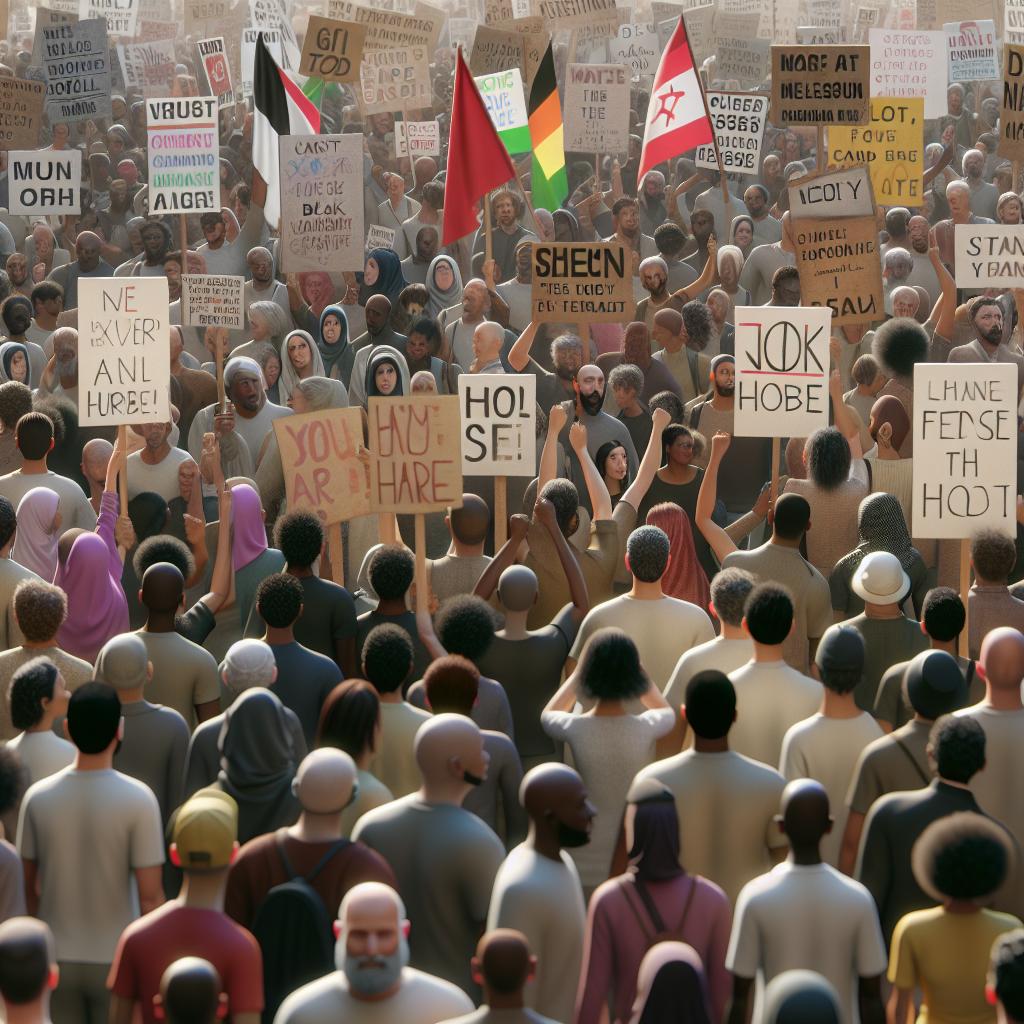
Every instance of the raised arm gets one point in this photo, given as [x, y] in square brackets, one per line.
[650, 463]
[557, 419]
[518, 527]
[945, 321]
[600, 499]
[544, 513]
[707, 277]
[720, 541]
[519, 354]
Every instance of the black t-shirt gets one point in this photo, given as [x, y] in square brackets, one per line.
[406, 621]
[304, 680]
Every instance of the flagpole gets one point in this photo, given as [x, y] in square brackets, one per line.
[704, 100]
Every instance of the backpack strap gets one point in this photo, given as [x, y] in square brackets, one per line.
[645, 926]
[335, 849]
[689, 901]
[969, 676]
[279, 839]
[648, 901]
[913, 760]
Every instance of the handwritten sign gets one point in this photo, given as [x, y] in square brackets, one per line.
[417, 138]
[322, 472]
[495, 49]
[124, 351]
[21, 112]
[332, 50]
[148, 66]
[738, 119]
[120, 15]
[389, 30]
[843, 193]
[498, 423]
[596, 108]
[989, 256]
[965, 444]
[45, 182]
[393, 80]
[184, 159]
[891, 146]
[213, 300]
[76, 60]
[782, 366]
[214, 59]
[503, 96]
[380, 237]
[814, 85]
[971, 46]
[909, 64]
[575, 282]
[1011, 112]
[274, 45]
[636, 46]
[1013, 22]
[746, 61]
[571, 13]
[417, 459]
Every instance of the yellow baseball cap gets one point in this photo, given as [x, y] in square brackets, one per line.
[205, 830]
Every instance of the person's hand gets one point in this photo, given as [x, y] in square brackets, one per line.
[491, 273]
[764, 500]
[224, 500]
[835, 386]
[195, 530]
[720, 444]
[124, 533]
[578, 438]
[544, 512]
[518, 527]
[557, 419]
[39, 272]
[662, 418]
[118, 455]
[712, 246]
[224, 422]
[835, 348]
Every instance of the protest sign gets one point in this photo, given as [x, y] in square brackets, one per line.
[321, 202]
[389, 30]
[45, 18]
[636, 46]
[747, 61]
[575, 282]
[1013, 22]
[814, 35]
[331, 50]
[971, 46]
[700, 29]
[416, 463]
[148, 66]
[495, 50]
[393, 80]
[891, 146]
[825, 13]
[323, 473]
[842, 193]
[739, 26]
[124, 351]
[213, 300]
[43, 183]
[814, 85]
[184, 167]
[965, 447]
[380, 237]
[909, 64]
[571, 13]
[503, 96]
[738, 119]
[866, 19]
[21, 113]
[76, 60]
[414, 139]
[782, 367]
[214, 59]
[496, 12]
[1011, 112]
[272, 41]
[498, 423]
[120, 15]
[989, 256]
[596, 108]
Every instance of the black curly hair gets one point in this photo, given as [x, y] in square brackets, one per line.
[899, 345]
[279, 600]
[163, 548]
[300, 538]
[387, 657]
[465, 625]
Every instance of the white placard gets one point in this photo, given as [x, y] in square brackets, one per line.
[965, 449]
[272, 41]
[43, 182]
[184, 156]
[782, 367]
[989, 256]
[738, 119]
[213, 300]
[842, 193]
[971, 46]
[424, 139]
[910, 64]
[124, 351]
[596, 108]
[637, 47]
[380, 237]
[120, 15]
[498, 413]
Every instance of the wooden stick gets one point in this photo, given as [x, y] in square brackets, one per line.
[422, 586]
[500, 511]
[714, 137]
[183, 242]
[122, 481]
[337, 553]
[774, 492]
[965, 591]
[488, 241]
[822, 154]
[526, 197]
[221, 404]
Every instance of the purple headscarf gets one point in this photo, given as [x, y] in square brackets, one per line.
[97, 609]
[249, 534]
[35, 544]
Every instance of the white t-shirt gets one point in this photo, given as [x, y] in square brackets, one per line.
[160, 479]
[828, 749]
[770, 697]
[661, 629]
[74, 506]
[725, 655]
[42, 754]
[807, 917]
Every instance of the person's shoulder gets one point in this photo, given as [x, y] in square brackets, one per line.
[499, 746]
[420, 984]
[318, 999]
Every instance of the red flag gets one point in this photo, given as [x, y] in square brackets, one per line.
[477, 159]
[677, 118]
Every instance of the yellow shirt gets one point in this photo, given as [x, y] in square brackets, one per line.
[946, 956]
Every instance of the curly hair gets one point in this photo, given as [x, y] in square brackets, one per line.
[391, 571]
[566, 499]
[30, 685]
[710, 704]
[993, 555]
[39, 609]
[943, 614]
[465, 625]
[899, 345]
[730, 589]
[958, 747]
[828, 458]
[963, 856]
[610, 668]
[451, 684]
[279, 600]
[8, 521]
[300, 538]
[15, 402]
[769, 613]
[163, 548]
[387, 657]
[648, 549]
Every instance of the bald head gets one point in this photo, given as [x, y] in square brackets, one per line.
[549, 788]
[805, 817]
[1001, 664]
[324, 781]
[370, 899]
[190, 992]
[488, 338]
[162, 587]
[447, 747]
[517, 588]
[95, 456]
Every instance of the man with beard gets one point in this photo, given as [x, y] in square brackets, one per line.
[87, 263]
[537, 890]
[671, 240]
[897, 265]
[923, 275]
[986, 316]
[397, 208]
[566, 357]
[626, 228]
[654, 210]
[443, 856]
[896, 227]
[373, 983]
[958, 196]
[506, 233]
[47, 304]
[766, 228]
[17, 271]
[785, 288]
[61, 373]
[156, 244]
[480, 302]
[763, 261]
[428, 213]
[517, 292]
[654, 278]
[415, 266]
[262, 286]
[702, 224]
[154, 467]
[378, 332]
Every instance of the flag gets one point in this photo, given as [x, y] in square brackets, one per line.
[549, 186]
[677, 118]
[279, 108]
[477, 158]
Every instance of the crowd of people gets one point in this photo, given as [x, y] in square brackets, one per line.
[682, 745]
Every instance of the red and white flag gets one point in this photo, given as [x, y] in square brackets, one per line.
[677, 119]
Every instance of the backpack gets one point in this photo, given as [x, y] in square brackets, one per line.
[654, 928]
[294, 930]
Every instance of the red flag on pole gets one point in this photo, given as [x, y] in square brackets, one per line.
[677, 118]
[477, 159]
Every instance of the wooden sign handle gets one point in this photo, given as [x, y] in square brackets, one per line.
[774, 492]
[965, 591]
[500, 512]
[420, 535]
[336, 550]
[122, 481]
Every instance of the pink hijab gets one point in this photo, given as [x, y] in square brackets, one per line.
[249, 533]
[35, 544]
[684, 578]
[97, 609]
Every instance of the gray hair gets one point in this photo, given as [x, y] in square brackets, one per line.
[730, 589]
[896, 258]
[274, 315]
[628, 376]
[566, 343]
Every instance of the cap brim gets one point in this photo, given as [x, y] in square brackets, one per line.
[895, 597]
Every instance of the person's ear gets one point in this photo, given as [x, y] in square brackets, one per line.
[990, 996]
[924, 629]
[52, 443]
[175, 856]
[744, 626]
[476, 971]
[336, 928]
[711, 610]
[235, 847]
[406, 927]
[120, 728]
[158, 1007]
[979, 671]
[67, 730]
[222, 1006]
[53, 977]
[531, 971]
[815, 671]
[149, 671]
[625, 559]
[885, 433]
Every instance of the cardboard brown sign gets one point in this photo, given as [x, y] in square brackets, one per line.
[494, 49]
[1011, 112]
[331, 50]
[575, 282]
[21, 112]
[826, 85]
[394, 80]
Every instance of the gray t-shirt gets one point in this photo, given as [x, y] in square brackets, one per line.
[496, 800]
[74, 506]
[184, 674]
[304, 681]
[491, 710]
[161, 478]
[12, 883]
[886, 642]
[890, 764]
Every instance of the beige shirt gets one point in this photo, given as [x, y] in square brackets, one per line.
[394, 763]
[74, 670]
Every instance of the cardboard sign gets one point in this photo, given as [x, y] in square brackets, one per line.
[815, 35]
[184, 157]
[120, 15]
[76, 60]
[814, 85]
[213, 300]
[43, 183]
[321, 202]
[417, 458]
[506, 106]
[380, 237]
[842, 193]
[1013, 22]
[394, 80]
[782, 368]
[576, 282]
[214, 59]
[331, 50]
[21, 113]
[910, 64]
[971, 46]
[124, 351]
[495, 50]
[148, 66]
[596, 108]
[637, 47]
[323, 473]
[45, 18]
[1011, 112]
[989, 256]
[891, 146]
[274, 45]
[389, 30]
[700, 30]
[748, 61]
[570, 13]
[499, 413]
[738, 119]
[965, 447]
[414, 139]
[867, 18]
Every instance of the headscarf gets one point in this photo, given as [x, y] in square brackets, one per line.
[882, 527]
[568, 220]
[324, 393]
[330, 354]
[257, 763]
[97, 607]
[441, 300]
[8, 350]
[800, 997]
[736, 221]
[671, 987]
[390, 279]
[289, 375]
[248, 532]
[387, 354]
[685, 578]
[35, 543]
[654, 855]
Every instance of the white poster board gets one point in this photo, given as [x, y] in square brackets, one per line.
[596, 108]
[184, 154]
[989, 256]
[213, 300]
[971, 46]
[910, 64]
[498, 413]
[414, 139]
[120, 15]
[738, 119]
[380, 237]
[965, 449]
[44, 182]
[782, 367]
